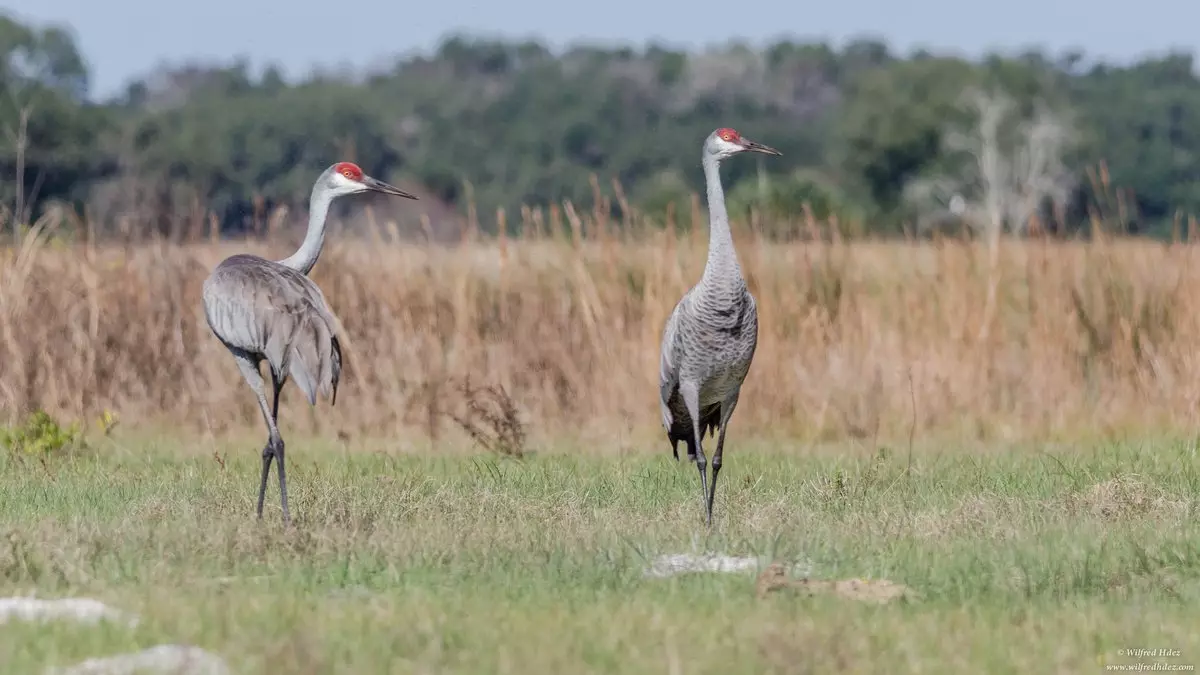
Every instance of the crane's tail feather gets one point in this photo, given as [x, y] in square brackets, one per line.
[315, 362]
[336, 367]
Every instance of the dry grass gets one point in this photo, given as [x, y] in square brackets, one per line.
[857, 340]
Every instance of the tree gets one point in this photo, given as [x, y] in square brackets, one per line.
[1003, 169]
[48, 135]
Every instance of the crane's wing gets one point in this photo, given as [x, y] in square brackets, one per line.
[752, 333]
[267, 309]
[668, 362]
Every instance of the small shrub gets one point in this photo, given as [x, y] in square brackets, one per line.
[108, 421]
[40, 435]
[492, 419]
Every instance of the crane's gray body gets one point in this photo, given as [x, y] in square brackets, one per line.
[265, 311]
[709, 341]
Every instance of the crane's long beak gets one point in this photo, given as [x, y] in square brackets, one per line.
[380, 186]
[753, 146]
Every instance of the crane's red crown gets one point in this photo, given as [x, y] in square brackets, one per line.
[349, 170]
[728, 135]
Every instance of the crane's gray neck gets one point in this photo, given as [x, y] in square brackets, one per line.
[318, 209]
[722, 266]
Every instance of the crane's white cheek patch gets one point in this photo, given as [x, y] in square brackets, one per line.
[173, 659]
[674, 564]
[84, 610]
[730, 148]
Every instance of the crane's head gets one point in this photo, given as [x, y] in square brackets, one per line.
[726, 142]
[345, 178]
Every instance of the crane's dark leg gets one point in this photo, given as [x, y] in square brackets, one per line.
[268, 454]
[249, 367]
[726, 412]
[691, 398]
[278, 439]
[716, 469]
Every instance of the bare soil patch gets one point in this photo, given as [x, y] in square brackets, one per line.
[775, 578]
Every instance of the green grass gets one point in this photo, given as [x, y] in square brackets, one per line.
[1025, 560]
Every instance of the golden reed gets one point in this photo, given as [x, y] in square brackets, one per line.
[863, 340]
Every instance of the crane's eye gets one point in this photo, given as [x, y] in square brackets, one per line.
[726, 136]
[347, 173]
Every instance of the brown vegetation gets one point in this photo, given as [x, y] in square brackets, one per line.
[866, 340]
[775, 578]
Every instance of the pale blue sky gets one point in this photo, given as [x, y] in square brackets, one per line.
[124, 38]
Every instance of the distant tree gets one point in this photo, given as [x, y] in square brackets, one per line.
[1003, 168]
[520, 124]
[889, 130]
[49, 137]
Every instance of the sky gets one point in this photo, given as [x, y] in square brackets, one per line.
[122, 39]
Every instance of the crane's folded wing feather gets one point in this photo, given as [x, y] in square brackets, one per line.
[668, 363]
[267, 309]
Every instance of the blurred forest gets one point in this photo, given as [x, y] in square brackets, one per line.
[881, 141]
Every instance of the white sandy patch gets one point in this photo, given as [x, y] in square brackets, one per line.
[28, 608]
[673, 564]
[173, 659]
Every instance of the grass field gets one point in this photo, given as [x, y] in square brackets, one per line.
[1020, 559]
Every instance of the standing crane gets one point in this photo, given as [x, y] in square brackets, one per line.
[710, 337]
[270, 310]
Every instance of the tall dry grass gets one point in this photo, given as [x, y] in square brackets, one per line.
[867, 340]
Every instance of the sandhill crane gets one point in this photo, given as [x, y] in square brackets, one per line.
[710, 337]
[264, 310]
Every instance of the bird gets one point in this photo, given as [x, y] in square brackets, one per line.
[709, 339]
[264, 310]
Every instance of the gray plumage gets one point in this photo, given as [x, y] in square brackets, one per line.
[709, 339]
[263, 310]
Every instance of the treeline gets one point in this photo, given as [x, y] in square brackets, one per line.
[881, 141]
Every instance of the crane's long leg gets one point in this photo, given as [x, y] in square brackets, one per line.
[691, 398]
[283, 500]
[249, 367]
[268, 454]
[726, 412]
